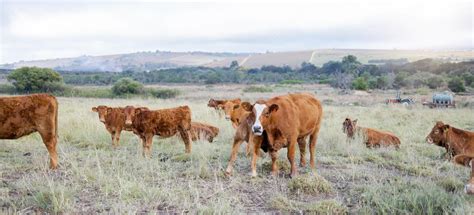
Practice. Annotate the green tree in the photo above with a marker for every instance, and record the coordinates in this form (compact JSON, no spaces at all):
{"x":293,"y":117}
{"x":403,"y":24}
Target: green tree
{"x":127,"y":86}
{"x":360,"y":84}
{"x":234,"y":64}
{"x":35,"y":79}
{"x":435,"y":82}
{"x":456,"y":85}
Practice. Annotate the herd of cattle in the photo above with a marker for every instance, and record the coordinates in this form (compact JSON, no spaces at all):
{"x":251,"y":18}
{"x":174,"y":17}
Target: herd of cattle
{"x":267,"y":125}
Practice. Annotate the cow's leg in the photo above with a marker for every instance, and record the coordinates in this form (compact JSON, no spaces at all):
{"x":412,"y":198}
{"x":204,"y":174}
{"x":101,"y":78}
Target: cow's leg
{"x":302,"y":146}
{"x":233,"y":155}
{"x":291,"y":156}
{"x":186,"y":139}
{"x":50,"y":140}
{"x":117,"y":137}
{"x":112,"y":135}
{"x":274,"y":155}
{"x":255,"y":154}
{"x":313,"y":138}
{"x":147,"y":146}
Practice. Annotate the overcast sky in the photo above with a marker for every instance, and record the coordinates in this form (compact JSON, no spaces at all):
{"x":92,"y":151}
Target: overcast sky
{"x":55,"y":29}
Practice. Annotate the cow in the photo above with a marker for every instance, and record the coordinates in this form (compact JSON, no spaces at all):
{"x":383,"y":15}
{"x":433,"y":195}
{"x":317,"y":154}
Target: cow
{"x":23,"y":115}
{"x":202,"y":130}
{"x":233,"y":111}
{"x":219,"y":105}
{"x":114,"y":121}
{"x":287,"y":121}
{"x":164,"y":123}
{"x":467,"y":160}
{"x":372,"y":137}
{"x":456,"y":141}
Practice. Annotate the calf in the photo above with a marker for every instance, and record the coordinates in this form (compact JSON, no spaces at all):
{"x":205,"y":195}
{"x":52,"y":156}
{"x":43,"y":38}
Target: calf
{"x":23,"y":115}
{"x":114,"y":120}
{"x":233,"y":111}
{"x":467,"y":160}
{"x":201,"y":130}
{"x":287,"y":120}
{"x":164,"y":123}
{"x":456,"y":141}
{"x":219,"y":105}
{"x":372,"y":137}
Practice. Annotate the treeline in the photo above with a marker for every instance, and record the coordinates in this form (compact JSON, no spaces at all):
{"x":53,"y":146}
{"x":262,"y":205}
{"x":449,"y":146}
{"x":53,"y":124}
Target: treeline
{"x":348,"y":73}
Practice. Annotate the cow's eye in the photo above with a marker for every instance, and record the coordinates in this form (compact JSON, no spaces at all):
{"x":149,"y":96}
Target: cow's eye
{"x":436,"y":132}
{"x":267,"y":114}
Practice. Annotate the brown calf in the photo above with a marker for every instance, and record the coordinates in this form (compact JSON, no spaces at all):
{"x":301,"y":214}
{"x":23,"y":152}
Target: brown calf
{"x":287,"y":120}
{"x":467,"y":160}
{"x":23,"y":115}
{"x":205,"y":131}
{"x":372,"y":137}
{"x":456,"y":141}
{"x":164,"y":123}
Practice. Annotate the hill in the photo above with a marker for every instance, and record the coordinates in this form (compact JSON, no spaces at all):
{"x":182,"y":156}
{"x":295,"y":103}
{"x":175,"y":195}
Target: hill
{"x":144,"y":61}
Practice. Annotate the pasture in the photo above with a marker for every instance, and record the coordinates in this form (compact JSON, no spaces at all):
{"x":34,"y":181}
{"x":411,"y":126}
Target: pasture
{"x":350,"y":178}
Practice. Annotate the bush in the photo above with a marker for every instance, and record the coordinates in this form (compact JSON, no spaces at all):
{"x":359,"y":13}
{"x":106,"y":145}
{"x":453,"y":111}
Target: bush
{"x":165,"y":93}
{"x":360,"y":84}
{"x":7,"y":89}
{"x":456,"y":85}
{"x":309,"y":185}
{"x":435,"y":82}
{"x":34,"y":79}
{"x":255,"y":89}
{"x":127,"y":86}
{"x":291,"y":81}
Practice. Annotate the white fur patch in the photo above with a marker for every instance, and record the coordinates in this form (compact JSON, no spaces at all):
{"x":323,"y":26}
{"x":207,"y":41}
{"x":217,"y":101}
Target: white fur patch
{"x":258,"y":112}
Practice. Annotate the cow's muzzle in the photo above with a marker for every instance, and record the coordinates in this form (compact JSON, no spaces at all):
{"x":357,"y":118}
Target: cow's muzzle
{"x":257,"y":130}
{"x":128,"y":122}
{"x":227,"y":117}
{"x":429,"y":140}
{"x":102,"y":120}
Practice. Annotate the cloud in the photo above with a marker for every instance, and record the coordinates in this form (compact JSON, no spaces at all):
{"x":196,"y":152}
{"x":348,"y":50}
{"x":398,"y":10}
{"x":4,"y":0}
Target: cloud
{"x":38,"y":30}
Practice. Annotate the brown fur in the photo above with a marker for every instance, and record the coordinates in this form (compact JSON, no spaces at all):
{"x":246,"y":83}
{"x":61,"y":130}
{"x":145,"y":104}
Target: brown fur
{"x":372,"y":137}
{"x":23,"y":115}
{"x":218,"y":105}
{"x":468,"y":161}
{"x":288,"y":120}
{"x":114,"y":120}
{"x":456,"y":141}
{"x":233,"y":111}
{"x":203,"y":131}
{"x":164,"y":123}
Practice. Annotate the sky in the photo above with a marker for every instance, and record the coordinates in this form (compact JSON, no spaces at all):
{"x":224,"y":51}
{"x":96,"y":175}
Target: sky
{"x":32,"y":30}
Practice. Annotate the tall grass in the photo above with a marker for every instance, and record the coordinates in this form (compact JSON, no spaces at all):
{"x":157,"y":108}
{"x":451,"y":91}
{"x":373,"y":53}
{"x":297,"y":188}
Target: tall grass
{"x":350,"y":178}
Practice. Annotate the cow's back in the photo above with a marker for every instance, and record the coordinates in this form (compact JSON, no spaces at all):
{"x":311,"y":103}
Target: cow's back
{"x":23,"y":115}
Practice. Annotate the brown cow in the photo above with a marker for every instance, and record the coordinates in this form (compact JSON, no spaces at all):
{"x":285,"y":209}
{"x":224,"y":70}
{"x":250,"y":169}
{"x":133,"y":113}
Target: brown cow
{"x":288,"y":120}
{"x":244,"y":133}
{"x":23,"y":115}
{"x":219,"y":105}
{"x":233,"y":111}
{"x":202,"y":130}
{"x":467,"y":160}
{"x":372,"y":137}
{"x":164,"y":123}
{"x":114,"y":121}
{"x":456,"y":141}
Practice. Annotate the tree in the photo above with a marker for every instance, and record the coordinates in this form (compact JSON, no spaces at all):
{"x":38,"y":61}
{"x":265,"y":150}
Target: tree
{"x":456,"y":85}
{"x":127,"y":86}
{"x":435,"y":82}
{"x":234,"y":64}
{"x":35,"y":79}
{"x":360,"y":84}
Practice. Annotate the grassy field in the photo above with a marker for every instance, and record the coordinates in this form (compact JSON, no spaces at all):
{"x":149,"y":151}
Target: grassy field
{"x":349,"y":178}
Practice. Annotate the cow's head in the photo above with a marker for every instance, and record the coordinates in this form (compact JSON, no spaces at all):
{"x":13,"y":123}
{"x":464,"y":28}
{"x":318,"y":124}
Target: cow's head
{"x":263,"y":114}
{"x":467,"y":160}
{"x":103,"y":111}
{"x":212,"y":103}
{"x":438,"y":134}
{"x":229,"y":108}
{"x":130,"y":113}
{"x":349,"y":126}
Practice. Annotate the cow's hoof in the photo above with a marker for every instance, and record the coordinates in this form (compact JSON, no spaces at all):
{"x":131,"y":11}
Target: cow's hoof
{"x":469,"y":189}
{"x":253,"y":174}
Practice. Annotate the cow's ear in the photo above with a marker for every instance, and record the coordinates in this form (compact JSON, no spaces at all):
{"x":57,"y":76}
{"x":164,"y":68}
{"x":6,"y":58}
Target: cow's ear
{"x":236,"y":106}
{"x":445,"y":128}
{"x":273,"y":107}
{"x":109,"y":110}
{"x":94,"y":109}
{"x":247,"y":106}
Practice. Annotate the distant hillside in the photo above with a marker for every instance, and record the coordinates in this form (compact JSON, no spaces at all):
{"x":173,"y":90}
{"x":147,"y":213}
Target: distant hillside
{"x":143,"y":61}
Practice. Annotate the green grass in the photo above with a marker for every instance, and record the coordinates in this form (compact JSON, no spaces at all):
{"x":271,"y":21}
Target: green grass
{"x":257,"y":89}
{"x":350,"y":178}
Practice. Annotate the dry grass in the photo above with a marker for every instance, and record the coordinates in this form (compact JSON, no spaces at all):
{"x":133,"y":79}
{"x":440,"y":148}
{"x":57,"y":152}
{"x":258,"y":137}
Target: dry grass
{"x":93,"y":177}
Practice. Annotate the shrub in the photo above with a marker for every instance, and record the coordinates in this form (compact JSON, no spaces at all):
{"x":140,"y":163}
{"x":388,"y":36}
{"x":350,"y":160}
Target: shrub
{"x":35,"y":79}
{"x":291,"y":81}
{"x":165,"y":93}
{"x":435,"y":82}
{"x":7,"y":89}
{"x":360,"y":84}
{"x":255,"y":89}
{"x":456,"y":85}
{"x":127,"y":86}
